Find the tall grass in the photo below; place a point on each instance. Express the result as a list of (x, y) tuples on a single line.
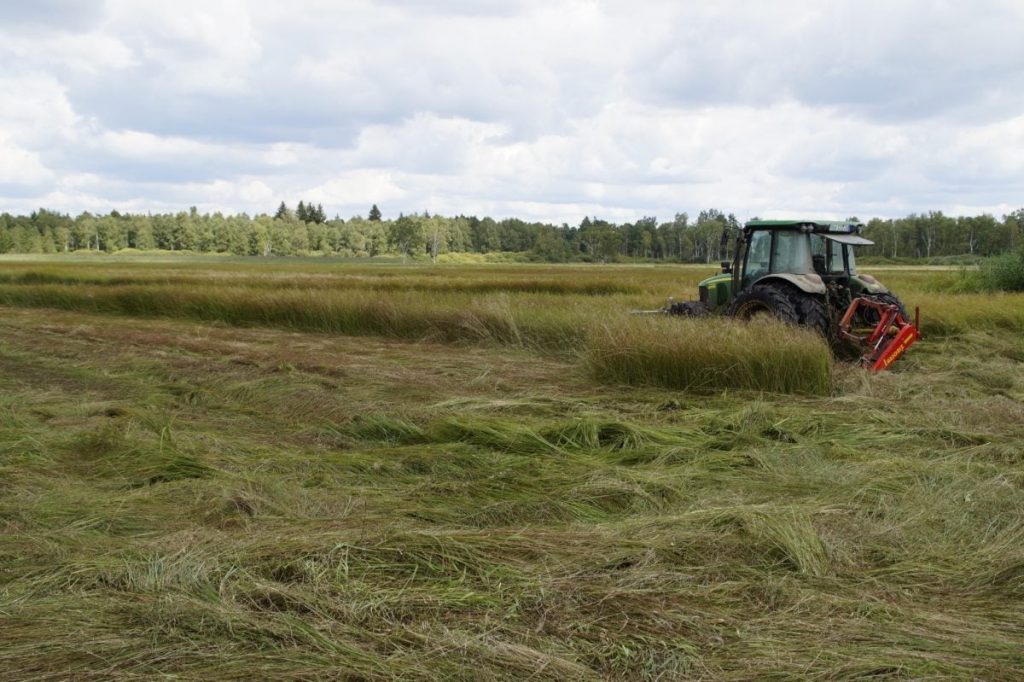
[(406, 315), (373, 280), (947, 314), (707, 354), (562, 309), (1004, 272), (684, 354), (956, 302)]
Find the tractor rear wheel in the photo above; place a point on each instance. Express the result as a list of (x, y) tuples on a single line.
[(765, 299), (814, 315), (788, 304)]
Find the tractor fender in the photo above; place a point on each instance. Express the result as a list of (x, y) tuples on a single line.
[(870, 284), (811, 284)]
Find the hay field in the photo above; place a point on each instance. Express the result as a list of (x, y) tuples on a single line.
[(296, 469)]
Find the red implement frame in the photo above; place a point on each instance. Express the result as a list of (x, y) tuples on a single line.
[(889, 339)]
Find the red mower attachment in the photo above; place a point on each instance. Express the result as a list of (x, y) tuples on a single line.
[(890, 337)]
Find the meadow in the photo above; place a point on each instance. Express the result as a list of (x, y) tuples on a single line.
[(216, 468)]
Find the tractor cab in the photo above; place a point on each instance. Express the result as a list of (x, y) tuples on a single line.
[(798, 247), (809, 255), (804, 254)]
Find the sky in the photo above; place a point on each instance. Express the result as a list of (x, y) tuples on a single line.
[(541, 110)]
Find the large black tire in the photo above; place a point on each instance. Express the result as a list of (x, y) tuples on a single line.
[(788, 304), (689, 309), (772, 299), (814, 314), (871, 317)]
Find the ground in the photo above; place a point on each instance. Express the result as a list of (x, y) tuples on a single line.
[(189, 492)]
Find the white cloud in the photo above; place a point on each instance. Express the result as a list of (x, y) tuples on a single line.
[(87, 53), (424, 143), (203, 47), (34, 109), (545, 110), (351, 189), (19, 166)]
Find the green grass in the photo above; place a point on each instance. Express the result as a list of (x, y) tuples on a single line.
[(202, 493), (1004, 272), (710, 354)]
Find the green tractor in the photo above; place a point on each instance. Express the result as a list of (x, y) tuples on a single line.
[(803, 272)]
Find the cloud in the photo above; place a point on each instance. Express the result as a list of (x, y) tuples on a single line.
[(544, 110), (50, 14), (35, 109), (20, 170)]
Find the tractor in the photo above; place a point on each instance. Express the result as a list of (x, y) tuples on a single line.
[(803, 272)]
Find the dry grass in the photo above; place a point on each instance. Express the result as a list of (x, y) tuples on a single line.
[(209, 501), (954, 314), (710, 354)]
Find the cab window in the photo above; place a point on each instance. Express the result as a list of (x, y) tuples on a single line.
[(758, 255), (829, 254), (792, 253), (849, 257), (836, 257)]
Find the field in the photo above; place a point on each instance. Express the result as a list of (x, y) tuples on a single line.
[(298, 469)]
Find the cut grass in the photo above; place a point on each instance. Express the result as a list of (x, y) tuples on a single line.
[(210, 501)]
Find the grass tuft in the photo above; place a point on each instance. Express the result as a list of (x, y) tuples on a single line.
[(496, 434), (1004, 272), (385, 428), (710, 355), (111, 452), (594, 433)]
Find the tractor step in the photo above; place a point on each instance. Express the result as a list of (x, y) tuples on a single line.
[(887, 340)]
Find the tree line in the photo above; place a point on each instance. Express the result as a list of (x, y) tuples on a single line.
[(306, 230)]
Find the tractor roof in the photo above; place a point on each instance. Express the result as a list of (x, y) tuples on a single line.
[(832, 226)]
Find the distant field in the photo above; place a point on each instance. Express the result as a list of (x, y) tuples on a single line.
[(228, 468)]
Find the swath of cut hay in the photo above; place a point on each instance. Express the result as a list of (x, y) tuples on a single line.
[(449, 282), (453, 317), (710, 354)]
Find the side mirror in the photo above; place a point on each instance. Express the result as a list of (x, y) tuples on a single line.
[(726, 267)]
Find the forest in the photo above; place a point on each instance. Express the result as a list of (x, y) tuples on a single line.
[(307, 231)]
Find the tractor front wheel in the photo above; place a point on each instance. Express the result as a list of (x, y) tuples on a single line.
[(871, 317)]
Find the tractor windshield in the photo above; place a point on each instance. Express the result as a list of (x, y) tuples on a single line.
[(792, 253)]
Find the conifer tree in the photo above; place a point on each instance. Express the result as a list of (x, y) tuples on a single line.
[(317, 214)]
